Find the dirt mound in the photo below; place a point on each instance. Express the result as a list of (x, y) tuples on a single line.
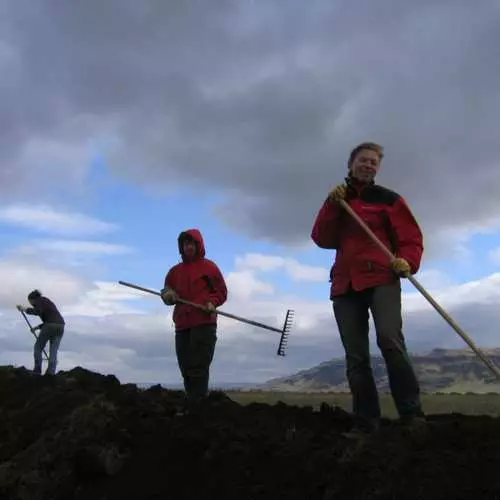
[(83, 436)]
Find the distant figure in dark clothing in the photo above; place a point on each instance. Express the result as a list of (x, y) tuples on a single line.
[(51, 329)]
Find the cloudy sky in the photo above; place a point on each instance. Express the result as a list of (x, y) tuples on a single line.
[(123, 123)]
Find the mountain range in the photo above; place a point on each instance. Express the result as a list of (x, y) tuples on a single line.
[(440, 370)]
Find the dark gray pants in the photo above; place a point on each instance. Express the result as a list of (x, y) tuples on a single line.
[(195, 349), (52, 333), (352, 314)]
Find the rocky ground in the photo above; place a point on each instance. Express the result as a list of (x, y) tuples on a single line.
[(84, 436)]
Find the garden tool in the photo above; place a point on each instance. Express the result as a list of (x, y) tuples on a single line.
[(32, 330), (424, 292), (285, 331)]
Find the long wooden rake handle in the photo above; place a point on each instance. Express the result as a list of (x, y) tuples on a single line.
[(423, 291), (203, 308), (31, 330)]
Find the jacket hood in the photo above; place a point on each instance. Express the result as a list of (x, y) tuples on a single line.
[(194, 234)]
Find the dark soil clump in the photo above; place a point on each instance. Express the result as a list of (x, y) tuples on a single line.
[(80, 435)]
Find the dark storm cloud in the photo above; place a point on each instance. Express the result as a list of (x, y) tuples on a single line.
[(261, 99)]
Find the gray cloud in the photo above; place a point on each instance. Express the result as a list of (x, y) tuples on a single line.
[(260, 100)]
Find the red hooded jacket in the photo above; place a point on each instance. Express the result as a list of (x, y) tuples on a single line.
[(198, 280), (359, 262)]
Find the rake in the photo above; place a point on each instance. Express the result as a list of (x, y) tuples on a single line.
[(285, 331), (31, 330), (424, 292)]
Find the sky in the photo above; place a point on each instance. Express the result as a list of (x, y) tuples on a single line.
[(123, 123)]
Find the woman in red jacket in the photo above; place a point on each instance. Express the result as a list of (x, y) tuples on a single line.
[(196, 279), (363, 279)]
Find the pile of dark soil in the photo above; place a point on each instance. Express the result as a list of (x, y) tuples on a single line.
[(84, 436)]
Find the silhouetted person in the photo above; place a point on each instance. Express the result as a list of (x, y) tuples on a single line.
[(51, 329)]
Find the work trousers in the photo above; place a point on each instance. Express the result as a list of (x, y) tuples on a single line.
[(352, 316), (195, 349), (52, 333)]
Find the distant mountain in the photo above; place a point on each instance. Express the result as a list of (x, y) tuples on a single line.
[(441, 370)]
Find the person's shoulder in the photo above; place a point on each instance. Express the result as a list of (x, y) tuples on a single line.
[(210, 263), (175, 269), (45, 302), (383, 195)]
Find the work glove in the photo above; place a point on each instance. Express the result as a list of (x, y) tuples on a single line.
[(338, 193), (401, 267), (169, 296), (210, 307)]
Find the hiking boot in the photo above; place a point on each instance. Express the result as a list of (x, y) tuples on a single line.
[(409, 420), (191, 407), (415, 425), (362, 430)]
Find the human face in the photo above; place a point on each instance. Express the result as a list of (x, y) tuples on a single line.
[(189, 248), (365, 165)]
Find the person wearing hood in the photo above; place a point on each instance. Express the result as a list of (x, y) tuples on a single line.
[(199, 280), (51, 329), (363, 280)]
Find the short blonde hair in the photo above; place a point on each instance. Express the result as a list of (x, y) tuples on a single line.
[(372, 146)]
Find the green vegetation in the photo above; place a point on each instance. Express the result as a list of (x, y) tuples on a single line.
[(467, 404)]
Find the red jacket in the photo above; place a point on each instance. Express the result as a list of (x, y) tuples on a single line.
[(359, 262), (198, 280)]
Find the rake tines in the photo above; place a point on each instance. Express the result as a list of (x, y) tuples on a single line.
[(287, 326)]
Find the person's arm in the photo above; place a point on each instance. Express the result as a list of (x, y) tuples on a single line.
[(409, 235), (169, 294), (34, 311), (217, 285), (327, 226)]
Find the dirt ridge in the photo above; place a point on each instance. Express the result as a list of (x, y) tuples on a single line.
[(82, 435)]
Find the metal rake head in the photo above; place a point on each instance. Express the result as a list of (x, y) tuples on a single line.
[(287, 326)]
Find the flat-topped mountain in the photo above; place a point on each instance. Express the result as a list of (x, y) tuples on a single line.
[(441, 370)]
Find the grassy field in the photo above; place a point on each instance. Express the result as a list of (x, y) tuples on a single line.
[(468, 404)]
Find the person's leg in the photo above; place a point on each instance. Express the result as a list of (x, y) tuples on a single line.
[(202, 348), (38, 348), (351, 314), (387, 317), (182, 341), (55, 336)]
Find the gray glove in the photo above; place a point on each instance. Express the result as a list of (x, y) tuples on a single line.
[(169, 296)]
